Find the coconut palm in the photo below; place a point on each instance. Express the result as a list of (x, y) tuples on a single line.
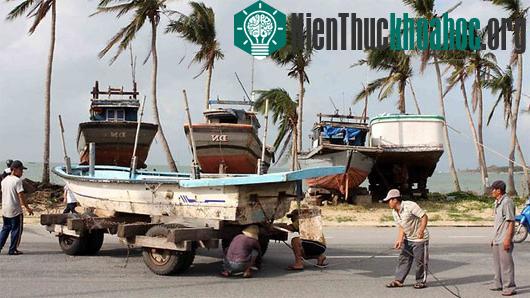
[(503, 84), (425, 9), (397, 64), (284, 114), (142, 11), (515, 10), (199, 28), (37, 10), (297, 59), (479, 64)]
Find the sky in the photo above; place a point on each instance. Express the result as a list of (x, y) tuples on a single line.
[(76, 66)]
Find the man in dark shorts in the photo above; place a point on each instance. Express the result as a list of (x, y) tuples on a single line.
[(304, 248), (243, 253)]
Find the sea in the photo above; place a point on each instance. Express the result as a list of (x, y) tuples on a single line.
[(441, 182)]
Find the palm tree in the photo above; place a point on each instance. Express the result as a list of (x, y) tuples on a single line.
[(516, 11), (425, 9), (38, 10), (503, 83), (297, 59), (199, 28), (284, 114), (142, 11), (479, 64), (397, 64)]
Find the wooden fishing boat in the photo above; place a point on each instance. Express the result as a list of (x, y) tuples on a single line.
[(411, 147), (112, 127), (239, 199), (339, 140), (228, 142)]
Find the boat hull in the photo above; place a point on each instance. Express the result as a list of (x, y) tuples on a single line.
[(238, 199), (115, 142), (411, 148), (360, 166), (234, 147)]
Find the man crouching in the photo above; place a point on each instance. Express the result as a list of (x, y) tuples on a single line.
[(413, 239), (305, 248), (243, 252)]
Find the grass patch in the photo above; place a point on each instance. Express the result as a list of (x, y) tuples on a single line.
[(464, 217), (342, 218), (435, 217), (386, 218)]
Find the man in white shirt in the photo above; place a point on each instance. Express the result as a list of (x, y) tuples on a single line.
[(70, 200), (12, 200), (413, 239)]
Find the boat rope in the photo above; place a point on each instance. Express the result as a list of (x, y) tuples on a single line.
[(385, 252), (487, 147)]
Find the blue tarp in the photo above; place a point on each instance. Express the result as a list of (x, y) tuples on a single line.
[(347, 133)]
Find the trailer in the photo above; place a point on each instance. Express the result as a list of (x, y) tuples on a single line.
[(171, 215), (167, 248)]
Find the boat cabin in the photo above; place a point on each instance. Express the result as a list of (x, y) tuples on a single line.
[(345, 130), (231, 115), (117, 106)]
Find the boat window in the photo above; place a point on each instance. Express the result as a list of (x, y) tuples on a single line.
[(115, 115)]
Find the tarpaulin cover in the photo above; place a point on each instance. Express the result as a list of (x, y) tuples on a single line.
[(348, 134)]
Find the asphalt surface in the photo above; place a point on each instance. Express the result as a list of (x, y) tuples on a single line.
[(361, 262)]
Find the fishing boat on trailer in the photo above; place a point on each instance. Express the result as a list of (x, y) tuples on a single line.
[(239, 199), (339, 140), (228, 142), (411, 147), (112, 127)]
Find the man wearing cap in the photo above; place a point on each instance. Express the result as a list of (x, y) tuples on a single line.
[(305, 248), (7, 171), (12, 200), (501, 243), (412, 239), (243, 252)]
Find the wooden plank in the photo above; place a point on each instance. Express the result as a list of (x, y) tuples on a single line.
[(79, 224), (134, 229), (192, 234), (161, 243), (50, 219)]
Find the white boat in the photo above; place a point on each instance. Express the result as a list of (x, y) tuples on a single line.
[(411, 147), (240, 199)]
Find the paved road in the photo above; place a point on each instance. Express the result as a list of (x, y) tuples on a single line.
[(459, 257)]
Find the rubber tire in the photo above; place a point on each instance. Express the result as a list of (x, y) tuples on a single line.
[(94, 241), (176, 262), (520, 232), (72, 246)]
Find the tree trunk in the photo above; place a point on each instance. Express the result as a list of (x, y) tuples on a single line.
[(401, 104), (160, 133), (414, 97), (294, 149), (300, 112), (47, 102), (452, 168), (473, 131), (525, 167), (483, 165), (208, 84), (515, 113)]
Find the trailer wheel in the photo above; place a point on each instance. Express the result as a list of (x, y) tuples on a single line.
[(94, 241), (71, 245), (165, 261)]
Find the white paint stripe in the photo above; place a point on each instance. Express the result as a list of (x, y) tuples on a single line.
[(362, 257)]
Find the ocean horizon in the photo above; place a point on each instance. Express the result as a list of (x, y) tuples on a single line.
[(439, 182)]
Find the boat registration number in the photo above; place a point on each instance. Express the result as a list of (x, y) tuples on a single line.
[(219, 138)]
